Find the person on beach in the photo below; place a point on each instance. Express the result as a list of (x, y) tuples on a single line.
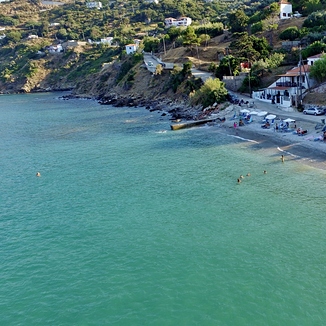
[(235, 125), (282, 158)]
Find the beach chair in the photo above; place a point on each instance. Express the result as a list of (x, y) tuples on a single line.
[(235, 117), (249, 121)]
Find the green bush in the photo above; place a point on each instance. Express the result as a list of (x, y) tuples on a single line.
[(290, 33)]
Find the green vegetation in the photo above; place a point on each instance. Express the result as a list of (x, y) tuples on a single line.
[(318, 70), (253, 26), (213, 91)]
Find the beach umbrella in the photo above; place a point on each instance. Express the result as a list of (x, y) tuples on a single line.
[(262, 113), (253, 112), (244, 111), (289, 120), (270, 117)]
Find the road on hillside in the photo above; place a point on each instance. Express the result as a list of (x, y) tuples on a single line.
[(204, 75), (151, 64)]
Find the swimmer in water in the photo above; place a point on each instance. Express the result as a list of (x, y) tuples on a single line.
[(241, 176), (239, 180), (265, 171), (38, 174), (248, 174)]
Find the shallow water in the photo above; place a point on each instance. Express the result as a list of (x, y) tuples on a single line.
[(131, 223)]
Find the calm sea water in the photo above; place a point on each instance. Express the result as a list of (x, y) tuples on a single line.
[(133, 224)]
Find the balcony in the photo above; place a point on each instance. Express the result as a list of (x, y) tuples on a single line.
[(286, 84)]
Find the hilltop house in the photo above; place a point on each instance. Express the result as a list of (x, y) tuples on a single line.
[(107, 40), (131, 48), (55, 48), (182, 21), (94, 4), (32, 36), (289, 87), (285, 9)]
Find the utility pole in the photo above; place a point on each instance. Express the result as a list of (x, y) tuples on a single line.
[(227, 52), (249, 67), (164, 44), (300, 78)]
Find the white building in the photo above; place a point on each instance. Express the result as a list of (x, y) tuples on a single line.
[(131, 48), (152, 1), (285, 9), (311, 60), (182, 21), (288, 88), (55, 48), (107, 40), (32, 37), (94, 4)]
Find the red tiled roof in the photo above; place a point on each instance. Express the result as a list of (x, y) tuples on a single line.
[(296, 71)]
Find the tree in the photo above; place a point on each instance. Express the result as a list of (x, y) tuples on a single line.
[(313, 49), (213, 91), (14, 36), (318, 70), (250, 47), (270, 24), (238, 21), (158, 69), (151, 44), (228, 66), (189, 37)]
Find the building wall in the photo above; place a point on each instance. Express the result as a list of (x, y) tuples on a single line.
[(285, 11)]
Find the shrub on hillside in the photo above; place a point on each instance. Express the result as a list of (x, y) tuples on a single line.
[(213, 91), (290, 33)]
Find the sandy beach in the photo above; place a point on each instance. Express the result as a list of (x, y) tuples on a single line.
[(294, 147)]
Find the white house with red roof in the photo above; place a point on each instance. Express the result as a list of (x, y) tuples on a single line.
[(131, 48), (289, 87)]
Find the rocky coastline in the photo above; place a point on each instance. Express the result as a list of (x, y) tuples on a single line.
[(176, 109)]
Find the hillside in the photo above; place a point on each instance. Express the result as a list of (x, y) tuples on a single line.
[(27, 66)]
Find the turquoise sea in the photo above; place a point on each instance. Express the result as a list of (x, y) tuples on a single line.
[(133, 224)]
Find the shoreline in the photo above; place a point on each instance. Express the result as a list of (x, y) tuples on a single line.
[(292, 146)]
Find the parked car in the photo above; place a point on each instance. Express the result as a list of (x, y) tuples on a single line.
[(313, 111), (297, 14), (150, 64)]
